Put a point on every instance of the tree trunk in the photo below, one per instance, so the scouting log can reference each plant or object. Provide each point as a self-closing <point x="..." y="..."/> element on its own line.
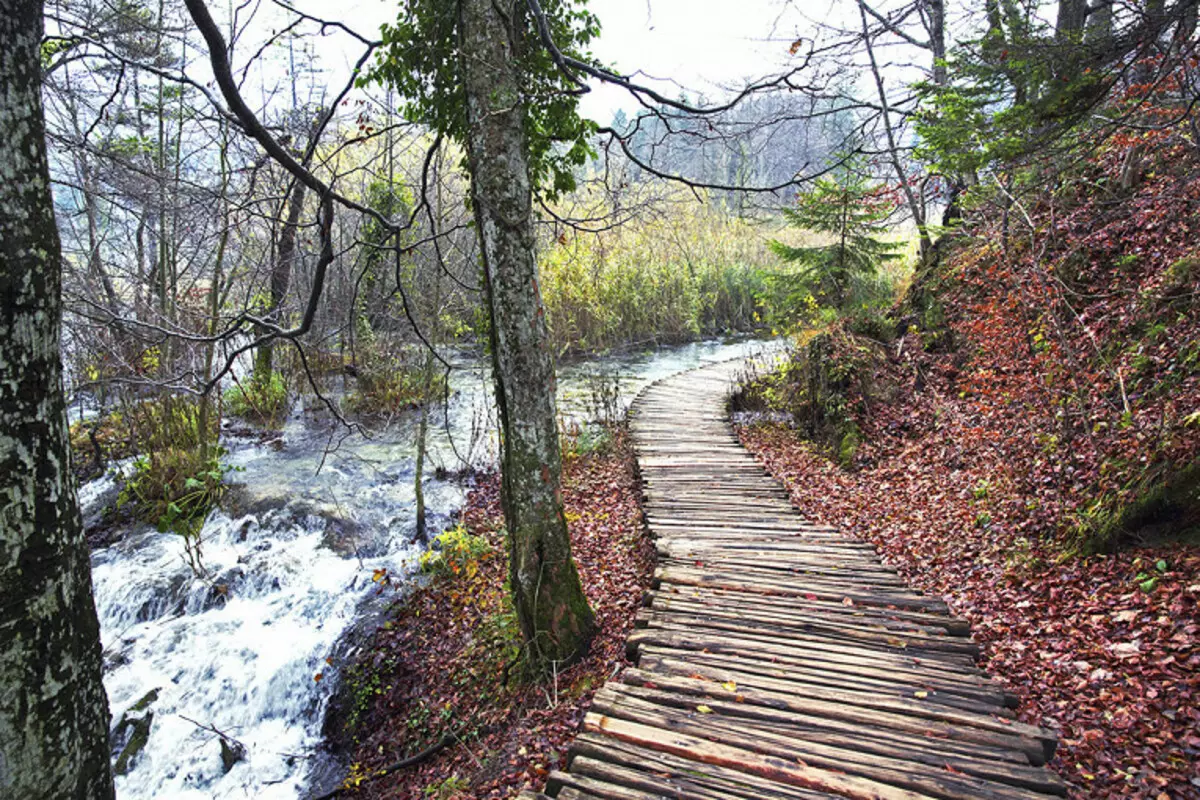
<point x="1068" y="26"/>
<point x="555" y="619"/>
<point x="936" y="14"/>
<point x="53" y="711"/>
<point x="281" y="278"/>
<point x="422" y="446"/>
<point x="1099" y="22"/>
<point x="916" y="204"/>
<point x="214" y="300"/>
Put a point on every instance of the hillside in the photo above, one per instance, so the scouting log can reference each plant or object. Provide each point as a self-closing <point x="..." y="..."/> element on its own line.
<point x="1025" y="443"/>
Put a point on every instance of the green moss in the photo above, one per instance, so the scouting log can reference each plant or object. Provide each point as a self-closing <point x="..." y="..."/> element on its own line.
<point x="1162" y="505"/>
<point x="134" y="731"/>
<point x="848" y="447"/>
<point x="1180" y="280"/>
<point x="144" y="703"/>
<point x="447" y="788"/>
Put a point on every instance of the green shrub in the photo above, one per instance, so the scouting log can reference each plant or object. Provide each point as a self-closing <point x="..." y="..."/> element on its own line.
<point x="577" y="440"/>
<point x="872" y="323"/>
<point x="455" y="552"/>
<point x="177" y="478"/>
<point x="392" y="381"/>
<point x="685" y="273"/>
<point x="387" y="392"/>
<point x="174" y="489"/>
<point x="261" y="399"/>
<point x="97" y="441"/>
<point x="823" y="385"/>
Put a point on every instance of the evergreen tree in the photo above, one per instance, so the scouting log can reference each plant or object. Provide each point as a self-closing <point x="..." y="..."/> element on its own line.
<point x="848" y="214"/>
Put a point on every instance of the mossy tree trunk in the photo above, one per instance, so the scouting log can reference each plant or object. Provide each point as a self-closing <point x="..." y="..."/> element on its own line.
<point x="553" y="612"/>
<point x="53" y="711"/>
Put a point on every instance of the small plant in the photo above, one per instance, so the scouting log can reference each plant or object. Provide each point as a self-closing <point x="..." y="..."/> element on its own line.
<point x="97" y="441"/>
<point x="871" y="322"/>
<point x="178" y="478"/>
<point x="1021" y="559"/>
<point x="982" y="489"/>
<point x="1147" y="579"/>
<point x="262" y="399"/>
<point x="497" y="642"/>
<point x="604" y="397"/>
<point x="582" y="440"/>
<point x="364" y="685"/>
<point x="455" y="552"/>
<point x="448" y="788"/>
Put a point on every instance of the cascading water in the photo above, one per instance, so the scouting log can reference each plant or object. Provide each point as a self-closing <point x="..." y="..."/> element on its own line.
<point x="198" y="669"/>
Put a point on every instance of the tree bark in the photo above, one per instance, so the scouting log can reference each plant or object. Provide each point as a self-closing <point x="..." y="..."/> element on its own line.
<point x="1068" y="26"/>
<point x="281" y="278"/>
<point x="553" y="612"/>
<point x="53" y="712"/>
<point x="936" y="15"/>
<point x="1099" y="22"/>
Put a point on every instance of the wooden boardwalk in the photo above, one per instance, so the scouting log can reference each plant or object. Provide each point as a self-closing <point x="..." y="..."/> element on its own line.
<point x="777" y="658"/>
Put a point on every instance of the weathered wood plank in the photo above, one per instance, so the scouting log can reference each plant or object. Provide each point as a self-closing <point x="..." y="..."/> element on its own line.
<point x="777" y="769"/>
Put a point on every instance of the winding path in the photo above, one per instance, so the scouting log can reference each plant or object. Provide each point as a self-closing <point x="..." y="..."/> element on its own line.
<point x="777" y="658"/>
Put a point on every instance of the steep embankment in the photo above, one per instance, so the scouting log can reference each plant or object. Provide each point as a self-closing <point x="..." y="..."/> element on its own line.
<point x="1028" y="448"/>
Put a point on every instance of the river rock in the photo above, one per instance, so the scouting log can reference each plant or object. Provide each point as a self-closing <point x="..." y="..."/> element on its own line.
<point x="130" y="735"/>
<point x="232" y="752"/>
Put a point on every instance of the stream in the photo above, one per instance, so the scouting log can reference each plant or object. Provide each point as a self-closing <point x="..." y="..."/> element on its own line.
<point x="317" y="513"/>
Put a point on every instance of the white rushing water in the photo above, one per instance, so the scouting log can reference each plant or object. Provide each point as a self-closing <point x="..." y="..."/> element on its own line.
<point x="291" y="565"/>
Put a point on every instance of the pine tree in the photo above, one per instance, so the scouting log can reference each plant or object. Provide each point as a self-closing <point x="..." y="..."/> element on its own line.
<point x="850" y="213"/>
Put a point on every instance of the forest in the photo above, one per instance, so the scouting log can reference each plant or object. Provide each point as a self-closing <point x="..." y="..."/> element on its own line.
<point x="341" y="387"/>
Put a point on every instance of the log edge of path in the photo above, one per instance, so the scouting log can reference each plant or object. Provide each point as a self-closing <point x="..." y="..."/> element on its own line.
<point x="778" y="658"/>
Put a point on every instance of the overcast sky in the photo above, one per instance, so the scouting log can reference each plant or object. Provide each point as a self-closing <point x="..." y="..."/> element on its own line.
<point x="701" y="45"/>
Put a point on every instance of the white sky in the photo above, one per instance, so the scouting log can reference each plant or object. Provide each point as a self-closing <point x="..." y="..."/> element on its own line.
<point x="702" y="45"/>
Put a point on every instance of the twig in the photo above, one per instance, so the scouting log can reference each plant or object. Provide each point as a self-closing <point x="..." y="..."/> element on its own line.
<point x="424" y="755"/>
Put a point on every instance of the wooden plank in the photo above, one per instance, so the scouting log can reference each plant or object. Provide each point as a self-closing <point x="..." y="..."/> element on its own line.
<point x="831" y="673"/>
<point x="777" y="769"/>
<point x="910" y="716"/>
<point x="929" y="776"/>
<point x="821" y="686"/>
<point x="731" y="782"/>
<point x="812" y="631"/>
